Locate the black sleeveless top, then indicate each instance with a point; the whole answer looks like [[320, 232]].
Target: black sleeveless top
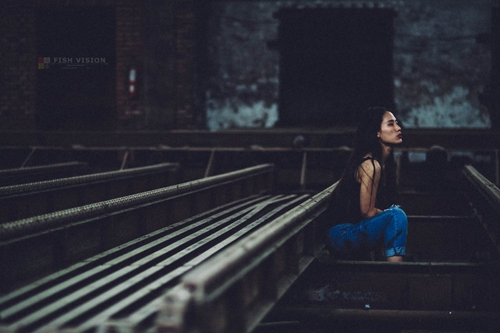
[[345, 205]]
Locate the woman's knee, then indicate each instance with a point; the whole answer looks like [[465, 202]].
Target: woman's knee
[[398, 212], [334, 235], [399, 217], [396, 234]]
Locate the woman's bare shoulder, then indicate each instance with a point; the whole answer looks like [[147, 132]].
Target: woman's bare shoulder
[[369, 168], [370, 164]]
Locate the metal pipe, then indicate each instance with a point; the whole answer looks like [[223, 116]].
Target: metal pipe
[[70, 181], [43, 222], [42, 168]]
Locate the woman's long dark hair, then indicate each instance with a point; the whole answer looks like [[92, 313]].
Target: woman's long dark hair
[[366, 142]]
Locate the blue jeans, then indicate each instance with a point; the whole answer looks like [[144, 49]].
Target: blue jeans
[[387, 229]]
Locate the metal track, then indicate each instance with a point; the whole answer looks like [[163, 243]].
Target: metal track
[[36, 246], [32, 199], [41, 172], [128, 281]]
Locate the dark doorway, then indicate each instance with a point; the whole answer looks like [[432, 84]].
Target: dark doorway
[[76, 68], [334, 62]]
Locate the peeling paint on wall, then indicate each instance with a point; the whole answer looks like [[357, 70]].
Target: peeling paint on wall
[[440, 68], [227, 115], [243, 87], [452, 110]]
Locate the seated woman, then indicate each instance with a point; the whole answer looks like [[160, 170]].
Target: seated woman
[[363, 200]]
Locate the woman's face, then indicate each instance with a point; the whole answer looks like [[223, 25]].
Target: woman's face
[[390, 131]]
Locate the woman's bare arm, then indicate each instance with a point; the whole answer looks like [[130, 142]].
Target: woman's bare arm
[[368, 174]]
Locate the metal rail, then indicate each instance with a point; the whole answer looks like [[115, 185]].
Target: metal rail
[[36, 246], [313, 167], [32, 199], [486, 196], [39, 173], [233, 291], [127, 281]]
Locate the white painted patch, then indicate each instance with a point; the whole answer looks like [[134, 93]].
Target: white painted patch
[[242, 116], [449, 111]]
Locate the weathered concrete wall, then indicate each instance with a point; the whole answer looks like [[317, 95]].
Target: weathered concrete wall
[[243, 86], [440, 68]]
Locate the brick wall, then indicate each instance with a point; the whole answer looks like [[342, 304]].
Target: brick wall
[[18, 78], [159, 39], [128, 55], [18, 87]]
